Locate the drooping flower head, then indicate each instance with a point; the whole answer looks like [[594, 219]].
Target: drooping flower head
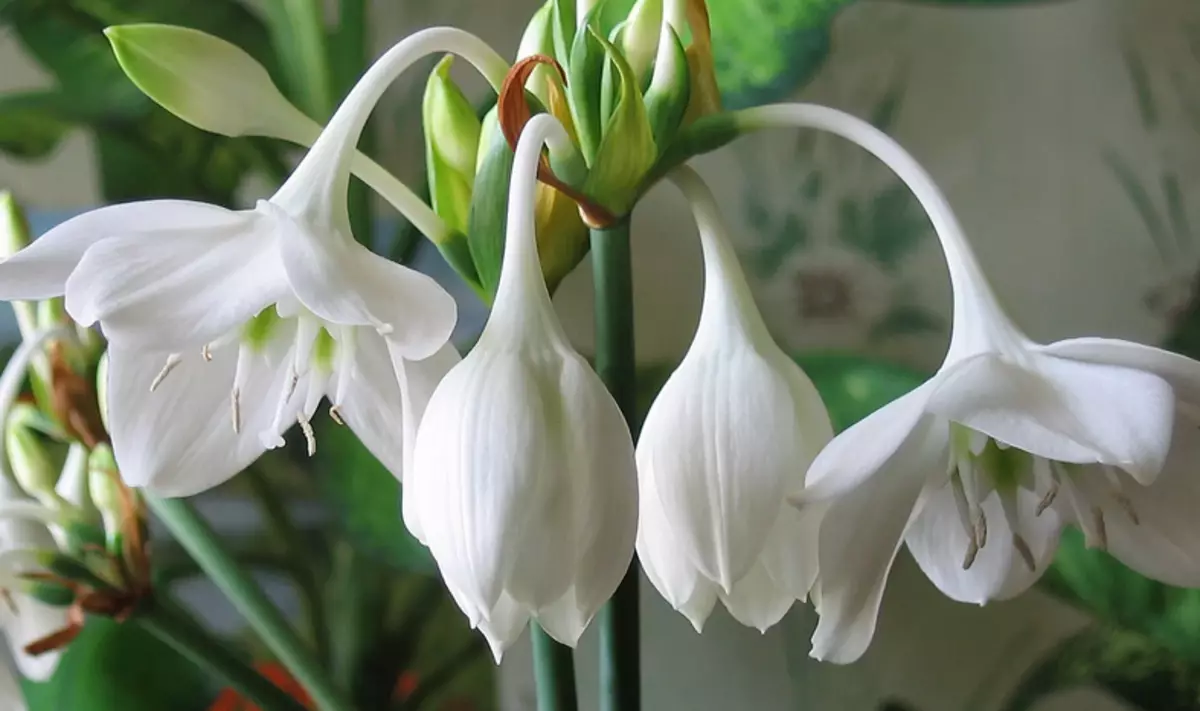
[[228, 327], [979, 468], [524, 480], [730, 435]]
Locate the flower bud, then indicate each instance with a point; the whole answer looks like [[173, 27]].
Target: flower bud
[[108, 494], [728, 438], [452, 129], [705, 97], [539, 39], [14, 236], [523, 478], [30, 463], [208, 82], [639, 36]]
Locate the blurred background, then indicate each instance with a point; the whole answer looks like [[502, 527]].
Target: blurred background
[[1067, 136]]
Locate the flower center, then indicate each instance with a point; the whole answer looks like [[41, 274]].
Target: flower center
[[980, 466]]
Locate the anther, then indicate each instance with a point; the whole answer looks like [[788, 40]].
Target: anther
[[972, 553], [310, 437], [335, 414], [173, 361], [235, 400], [206, 353], [1048, 499], [981, 528], [1127, 506], [1101, 528], [1023, 549]]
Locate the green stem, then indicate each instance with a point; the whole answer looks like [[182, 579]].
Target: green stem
[[612, 274], [296, 550], [195, 643], [199, 540], [554, 672]]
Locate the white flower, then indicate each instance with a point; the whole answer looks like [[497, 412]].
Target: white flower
[[11, 697], [524, 479], [979, 468], [228, 327], [728, 438]]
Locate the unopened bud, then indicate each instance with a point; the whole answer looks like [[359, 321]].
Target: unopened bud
[[639, 36], [538, 39], [704, 97], [452, 129], [31, 465], [102, 389], [48, 592], [108, 493], [14, 236]]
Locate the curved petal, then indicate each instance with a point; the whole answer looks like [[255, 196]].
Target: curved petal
[[938, 541], [756, 601], [669, 569], [179, 440], [1164, 542], [371, 404], [345, 283], [725, 445], [860, 536], [418, 380], [480, 472], [1181, 372], [1063, 410], [564, 619], [40, 270], [504, 625], [859, 452], [177, 291], [790, 557]]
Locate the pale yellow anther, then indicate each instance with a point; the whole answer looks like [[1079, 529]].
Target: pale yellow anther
[[173, 361]]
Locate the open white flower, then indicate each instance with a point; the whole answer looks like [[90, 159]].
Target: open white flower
[[228, 327], [980, 467], [728, 438], [524, 479]]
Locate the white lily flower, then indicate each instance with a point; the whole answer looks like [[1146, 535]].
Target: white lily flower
[[979, 468], [228, 327], [730, 435], [524, 477], [11, 697]]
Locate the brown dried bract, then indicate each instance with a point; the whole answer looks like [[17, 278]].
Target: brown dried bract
[[75, 401]]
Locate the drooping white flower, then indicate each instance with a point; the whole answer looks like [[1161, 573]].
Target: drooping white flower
[[228, 327], [979, 468], [727, 439], [524, 478]]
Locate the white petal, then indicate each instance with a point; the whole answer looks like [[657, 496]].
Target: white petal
[[177, 290], [938, 541], [1063, 410], [483, 471], [756, 601], [31, 620], [1165, 543], [791, 555], [40, 270], [669, 569], [856, 454], [371, 405], [179, 440], [1181, 372], [418, 380], [11, 697], [345, 283], [565, 620], [504, 625], [860, 535], [600, 464], [725, 445]]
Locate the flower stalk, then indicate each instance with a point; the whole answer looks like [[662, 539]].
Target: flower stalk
[[612, 273], [554, 672]]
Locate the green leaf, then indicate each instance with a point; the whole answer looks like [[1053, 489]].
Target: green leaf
[[366, 499], [887, 229], [627, 150], [297, 30], [32, 123], [97, 671]]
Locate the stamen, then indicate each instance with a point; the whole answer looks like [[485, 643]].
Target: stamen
[[236, 405], [972, 553], [173, 362], [310, 437], [1012, 516], [1023, 549], [966, 472], [206, 353], [1048, 499], [335, 414], [1101, 528], [1044, 473], [1126, 505], [964, 518], [981, 528]]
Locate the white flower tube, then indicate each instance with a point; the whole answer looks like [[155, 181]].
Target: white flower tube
[[727, 439], [979, 468], [524, 479], [248, 318]]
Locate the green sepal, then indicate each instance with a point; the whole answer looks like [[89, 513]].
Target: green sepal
[[667, 99], [68, 568], [452, 130], [48, 593], [627, 150], [489, 210], [83, 537]]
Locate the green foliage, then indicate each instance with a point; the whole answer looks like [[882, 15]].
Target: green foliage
[[366, 500], [98, 670]]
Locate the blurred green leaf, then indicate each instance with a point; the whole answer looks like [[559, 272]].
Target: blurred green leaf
[[96, 670], [366, 500], [31, 123]]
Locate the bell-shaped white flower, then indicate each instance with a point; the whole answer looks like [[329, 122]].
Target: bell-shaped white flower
[[228, 327], [979, 468], [729, 437], [524, 479]]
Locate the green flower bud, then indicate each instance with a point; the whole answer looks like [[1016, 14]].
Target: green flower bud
[[14, 236], [208, 82], [639, 36], [108, 493], [48, 593], [31, 465], [538, 39], [452, 129], [669, 92]]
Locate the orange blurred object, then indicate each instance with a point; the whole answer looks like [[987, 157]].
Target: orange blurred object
[[230, 700]]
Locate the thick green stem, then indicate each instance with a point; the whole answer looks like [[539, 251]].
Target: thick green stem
[[612, 273], [199, 540], [554, 672], [208, 653]]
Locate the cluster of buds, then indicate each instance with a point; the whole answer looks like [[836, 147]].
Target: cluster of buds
[[72, 536], [624, 92]]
